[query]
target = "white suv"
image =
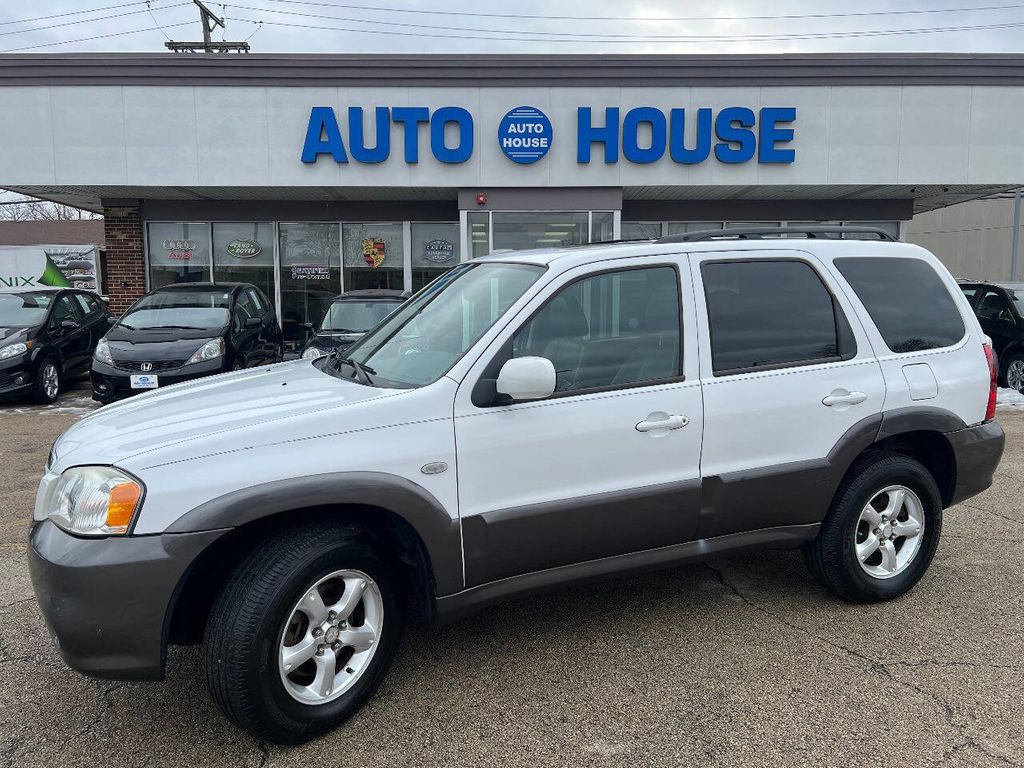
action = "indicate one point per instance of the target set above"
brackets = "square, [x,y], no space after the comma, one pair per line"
[527,420]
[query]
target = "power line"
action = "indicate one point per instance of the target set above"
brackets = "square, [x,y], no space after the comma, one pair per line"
[599,36]
[848,14]
[569,37]
[85,21]
[94,37]
[72,13]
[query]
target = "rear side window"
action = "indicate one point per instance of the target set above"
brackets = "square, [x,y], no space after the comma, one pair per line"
[772,314]
[907,301]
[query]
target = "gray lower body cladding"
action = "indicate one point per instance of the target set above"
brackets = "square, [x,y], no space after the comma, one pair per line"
[978,450]
[108,600]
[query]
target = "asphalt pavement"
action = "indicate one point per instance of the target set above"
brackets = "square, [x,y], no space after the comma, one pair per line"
[740,662]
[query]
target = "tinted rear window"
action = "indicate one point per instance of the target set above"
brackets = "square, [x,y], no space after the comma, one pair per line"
[907,300]
[766,314]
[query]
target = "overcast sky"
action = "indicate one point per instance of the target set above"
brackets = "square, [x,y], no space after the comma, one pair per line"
[446,26]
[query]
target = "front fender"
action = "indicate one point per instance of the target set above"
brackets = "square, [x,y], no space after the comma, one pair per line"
[439,531]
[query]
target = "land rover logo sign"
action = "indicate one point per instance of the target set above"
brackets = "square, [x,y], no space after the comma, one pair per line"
[439,251]
[244,249]
[524,135]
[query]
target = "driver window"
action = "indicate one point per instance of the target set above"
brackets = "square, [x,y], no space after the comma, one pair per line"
[243,311]
[994,306]
[613,329]
[64,309]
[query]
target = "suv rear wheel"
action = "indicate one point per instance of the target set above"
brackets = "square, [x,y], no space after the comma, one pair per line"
[302,633]
[882,531]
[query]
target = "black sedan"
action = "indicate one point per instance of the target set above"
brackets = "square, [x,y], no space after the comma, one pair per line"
[349,317]
[47,336]
[182,332]
[1000,310]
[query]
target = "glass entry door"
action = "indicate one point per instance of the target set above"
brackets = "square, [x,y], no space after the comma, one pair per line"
[310,277]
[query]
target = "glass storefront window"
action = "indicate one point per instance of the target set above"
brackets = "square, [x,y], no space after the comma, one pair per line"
[243,252]
[435,250]
[602,226]
[479,233]
[310,277]
[179,252]
[374,255]
[521,230]
[640,230]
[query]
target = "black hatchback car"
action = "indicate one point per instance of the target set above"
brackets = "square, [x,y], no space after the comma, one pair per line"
[1000,310]
[349,317]
[47,336]
[182,332]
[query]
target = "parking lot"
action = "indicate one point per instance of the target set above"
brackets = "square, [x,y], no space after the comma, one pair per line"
[743,661]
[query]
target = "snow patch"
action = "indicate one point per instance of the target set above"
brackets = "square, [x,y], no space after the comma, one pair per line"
[1009,398]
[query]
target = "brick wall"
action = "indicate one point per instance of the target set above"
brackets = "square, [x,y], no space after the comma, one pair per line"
[125,263]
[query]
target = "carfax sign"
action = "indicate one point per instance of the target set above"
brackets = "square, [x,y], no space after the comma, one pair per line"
[641,135]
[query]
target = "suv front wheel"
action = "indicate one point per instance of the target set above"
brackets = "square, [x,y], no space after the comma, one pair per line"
[302,633]
[882,530]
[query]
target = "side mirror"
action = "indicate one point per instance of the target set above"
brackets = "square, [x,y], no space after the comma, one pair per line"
[308,326]
[253,322]
[68,325]
[526,378]
[112,320]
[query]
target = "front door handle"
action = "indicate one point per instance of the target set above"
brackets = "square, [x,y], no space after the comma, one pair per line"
[843,397]
[662,422]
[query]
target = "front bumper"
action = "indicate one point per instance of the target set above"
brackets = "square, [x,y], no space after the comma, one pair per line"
[110,383]
[977,450]
[109,601]
[17,374]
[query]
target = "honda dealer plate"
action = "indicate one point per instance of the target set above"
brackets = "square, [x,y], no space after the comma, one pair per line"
[145,381]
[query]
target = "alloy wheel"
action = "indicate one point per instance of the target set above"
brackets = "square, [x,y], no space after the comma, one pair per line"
[889,532]
[1015,375]
[51,381]
[330,636]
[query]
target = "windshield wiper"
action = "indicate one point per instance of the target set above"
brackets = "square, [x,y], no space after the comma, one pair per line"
[176,327]
[366,372]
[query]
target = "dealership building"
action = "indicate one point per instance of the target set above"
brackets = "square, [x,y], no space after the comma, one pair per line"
[310,175]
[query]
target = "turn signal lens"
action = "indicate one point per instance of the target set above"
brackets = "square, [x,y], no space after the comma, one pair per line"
[124,498]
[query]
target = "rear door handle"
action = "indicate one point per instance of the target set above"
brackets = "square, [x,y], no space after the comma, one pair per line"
[662,422]
[843,397]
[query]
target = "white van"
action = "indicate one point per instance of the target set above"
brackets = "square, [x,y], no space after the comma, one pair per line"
[526,420]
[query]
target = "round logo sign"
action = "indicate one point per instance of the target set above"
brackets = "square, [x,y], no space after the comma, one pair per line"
[524,135]
[244,249]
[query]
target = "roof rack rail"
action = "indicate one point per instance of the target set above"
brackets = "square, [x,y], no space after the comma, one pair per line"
[760,233]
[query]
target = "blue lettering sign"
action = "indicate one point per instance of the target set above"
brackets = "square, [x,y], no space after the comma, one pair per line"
[630,135]
[587,134]
[410,118]
[771,134]
[379,152]
[525,135]
[323,137]
[677,137]
[738,142]
[464,149]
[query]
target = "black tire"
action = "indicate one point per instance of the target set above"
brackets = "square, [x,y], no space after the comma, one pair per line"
[240,649]
[39,394]
[1005,365]
[831,557]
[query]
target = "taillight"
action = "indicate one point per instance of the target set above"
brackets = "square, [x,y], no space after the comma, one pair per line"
[990,356]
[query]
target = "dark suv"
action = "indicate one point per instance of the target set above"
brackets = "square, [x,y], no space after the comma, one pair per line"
[1000,310]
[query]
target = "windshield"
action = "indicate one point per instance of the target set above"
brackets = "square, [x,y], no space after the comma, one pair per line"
[1018,300]
[357,316]
[23,309]
[179,309]
[421,341]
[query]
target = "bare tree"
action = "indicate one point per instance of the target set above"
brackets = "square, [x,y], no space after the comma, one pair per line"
[17,207]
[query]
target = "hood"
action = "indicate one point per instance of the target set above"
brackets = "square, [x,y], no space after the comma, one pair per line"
[155,349]
[215,408]
[11,335]
[162,335]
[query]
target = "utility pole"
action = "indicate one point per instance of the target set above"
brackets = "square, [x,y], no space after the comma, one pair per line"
[210,21]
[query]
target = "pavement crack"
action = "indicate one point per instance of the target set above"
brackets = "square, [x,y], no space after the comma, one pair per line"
[993,513]
[948,714]
[265,750]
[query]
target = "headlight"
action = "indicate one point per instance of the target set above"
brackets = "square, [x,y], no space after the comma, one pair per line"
[211,350]
[14,349]
[312,352]
[95,501]
[102,352]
